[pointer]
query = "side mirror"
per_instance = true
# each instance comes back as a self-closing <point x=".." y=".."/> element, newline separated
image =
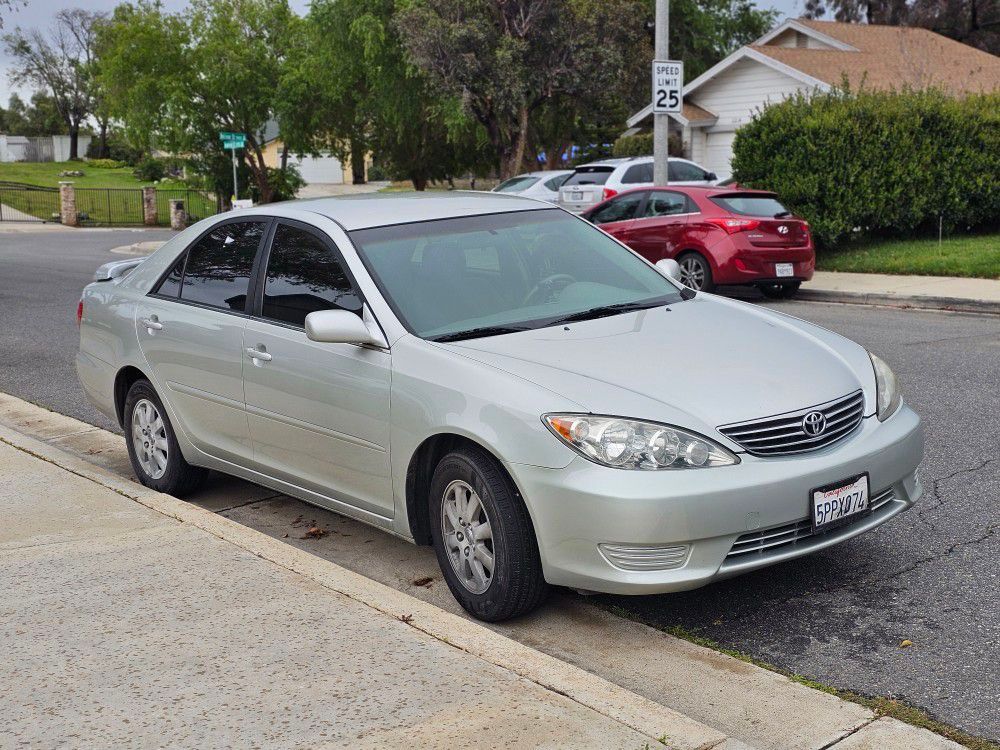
<point x="668" y="267"/>
<point x="711" y="176"/>
<point x="338" y="327"/>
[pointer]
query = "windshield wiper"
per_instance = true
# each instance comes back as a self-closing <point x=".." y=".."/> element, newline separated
<point x="782" y="214"/>
<point x="605" y="310"/>
<point x="475" y="333"/>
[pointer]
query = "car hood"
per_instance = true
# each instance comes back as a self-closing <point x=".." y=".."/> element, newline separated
<point x="701" y="363"/>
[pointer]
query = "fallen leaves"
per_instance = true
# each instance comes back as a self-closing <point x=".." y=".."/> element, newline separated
<point x="314" y="532"/>
<point x="425" y="582"/>
<point x="406" y="618"/>
<point x="905" y="643"/>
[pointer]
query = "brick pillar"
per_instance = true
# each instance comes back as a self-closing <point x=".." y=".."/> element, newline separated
<point x="178" y="217"/>
<point x="149" y="206"/>
<point x="67" y="204"/>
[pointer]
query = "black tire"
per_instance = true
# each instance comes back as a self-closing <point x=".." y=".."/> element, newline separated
<point x="179" y="478"/>
<point x="696" y="272"/>
<point x="780" y="290"/>
<point x="516" y="584"/>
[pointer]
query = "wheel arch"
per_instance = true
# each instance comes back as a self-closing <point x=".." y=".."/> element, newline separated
<point x="124" y="379"/>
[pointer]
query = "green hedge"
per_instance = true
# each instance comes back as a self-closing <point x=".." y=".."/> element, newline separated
<point x="642" y="145"/>
<point x="877" y="163"/>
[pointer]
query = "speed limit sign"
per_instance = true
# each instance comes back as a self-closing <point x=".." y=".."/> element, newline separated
<point x="668" y="86"/>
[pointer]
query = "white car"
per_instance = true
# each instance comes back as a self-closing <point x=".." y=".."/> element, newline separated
<point x="541" y="185"/>
<point x="599" y="180"/>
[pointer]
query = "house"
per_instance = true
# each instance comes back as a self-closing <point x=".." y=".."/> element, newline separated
<point x="314" y="169"/>
<point x="802" y="55"/>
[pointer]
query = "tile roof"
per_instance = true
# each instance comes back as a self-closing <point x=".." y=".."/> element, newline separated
<point x="892" y="57"/>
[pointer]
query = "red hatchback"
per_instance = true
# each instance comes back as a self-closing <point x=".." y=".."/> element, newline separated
<point x="718" y="235"/>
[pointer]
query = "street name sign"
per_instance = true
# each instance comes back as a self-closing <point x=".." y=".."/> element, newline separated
<point x="668" y="86"/>
<point x="233" y="140"/>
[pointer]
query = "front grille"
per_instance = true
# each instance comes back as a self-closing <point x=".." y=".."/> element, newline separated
<point x="780" y="537"/>
<point x="784" y="434"/>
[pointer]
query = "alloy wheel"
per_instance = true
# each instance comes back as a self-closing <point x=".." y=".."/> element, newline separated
<point x="149" y="439"/>
<point x="467" y="536"/>
<point x="692" y="273"/>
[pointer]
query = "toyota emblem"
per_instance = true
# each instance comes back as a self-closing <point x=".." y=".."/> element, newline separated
<point x="814" y="423"/>
<point x="782" y="229"/>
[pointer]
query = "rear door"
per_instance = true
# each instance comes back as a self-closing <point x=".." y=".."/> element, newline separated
<point x="617" y="215"/>
<point x="190" y="329"/>
<point x="318" y="413"/>
<point x="658" y="232"/>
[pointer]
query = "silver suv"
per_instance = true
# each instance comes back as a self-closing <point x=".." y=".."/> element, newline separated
<point x="599" y="180"/>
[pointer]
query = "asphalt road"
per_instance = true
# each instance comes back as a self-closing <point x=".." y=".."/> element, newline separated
<point x="929" y="576"/>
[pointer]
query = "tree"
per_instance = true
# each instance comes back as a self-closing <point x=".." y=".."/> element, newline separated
<point x="177" y="80"/>
<point x="9" y="5"/>
<point x="39" y="117"/>
<point x="505" y="59"/>
<point x="60" y="63"/>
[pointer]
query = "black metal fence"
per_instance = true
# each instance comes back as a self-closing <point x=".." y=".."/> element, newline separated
<point x="20" y="202"/>
<point x="98" y="206"/>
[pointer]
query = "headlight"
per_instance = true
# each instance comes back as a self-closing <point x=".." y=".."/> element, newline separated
<point x="630" y="444"/>
<point x="887" y="395"/>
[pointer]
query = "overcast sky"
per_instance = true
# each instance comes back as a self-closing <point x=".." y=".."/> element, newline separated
<point x="38" y="14"/>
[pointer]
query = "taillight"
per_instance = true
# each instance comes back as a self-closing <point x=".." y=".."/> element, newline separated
<point x="79" y="311"/>
<point x="609" y="193"/>
<point x="732" y="226"/>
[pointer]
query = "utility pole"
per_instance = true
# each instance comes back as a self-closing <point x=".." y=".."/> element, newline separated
<point x="661" y="122"/>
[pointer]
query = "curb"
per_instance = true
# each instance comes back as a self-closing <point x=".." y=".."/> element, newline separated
<point x="916" y="302"/>
<point x="659" y="723"/>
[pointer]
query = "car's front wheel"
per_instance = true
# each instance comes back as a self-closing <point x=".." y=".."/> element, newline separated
<point x="152" y="446"/>
<point x="785" y="290"/>
<point x="483" y="537"/>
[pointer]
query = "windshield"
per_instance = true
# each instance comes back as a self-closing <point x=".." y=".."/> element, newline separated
<point x="483" y="275"/>
<point x="515" y="184"/>
<point x="589" y="176"/>
<point x="751" y="204"/>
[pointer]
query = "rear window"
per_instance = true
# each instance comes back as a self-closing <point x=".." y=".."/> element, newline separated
<point x="589" y="176"/>
<point x="751" y="204"/>
<point x="516" y="184"/>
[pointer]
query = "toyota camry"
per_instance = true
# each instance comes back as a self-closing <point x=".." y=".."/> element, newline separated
<point x="495" y="377"/>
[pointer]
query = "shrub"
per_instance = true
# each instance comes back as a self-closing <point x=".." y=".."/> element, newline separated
<point x="149" y="170"/>
<point x="877" y="163"/>
<point x="642" y="145"/>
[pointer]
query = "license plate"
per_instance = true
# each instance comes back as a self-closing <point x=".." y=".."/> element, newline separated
<point x="576" y="196"/>
<point x="784" y="269"/>
<point x="836" y="503"/>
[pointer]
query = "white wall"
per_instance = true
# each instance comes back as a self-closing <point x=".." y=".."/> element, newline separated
<point x="60" y="146"/>
<point x="795" y="38"/>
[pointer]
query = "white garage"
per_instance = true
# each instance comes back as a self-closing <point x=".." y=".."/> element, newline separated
<point x="719" y="152"/>
<point x="321" y="169"/>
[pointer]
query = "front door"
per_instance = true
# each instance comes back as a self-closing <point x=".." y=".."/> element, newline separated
<point x="318" y="413"/>
<point x="659" y="231"/>
<point x="190" y="330"/>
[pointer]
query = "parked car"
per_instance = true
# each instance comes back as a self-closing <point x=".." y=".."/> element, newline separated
<point x="595" y="182"/>
<point x="541" y="185"/>
<point x="718" y="236"/>
<point x="500" y="379"/>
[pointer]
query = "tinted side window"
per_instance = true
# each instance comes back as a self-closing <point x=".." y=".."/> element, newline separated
<point x="303" y="276"/>
<point x="662" y="203"/>
<point x="556" y="182"/>
<point x="680" y="171"/>
<point x="171" y="285"/>
<point x="637" y="174"/>
<point x="618" y="209"/>
<point x="219" y="265"/>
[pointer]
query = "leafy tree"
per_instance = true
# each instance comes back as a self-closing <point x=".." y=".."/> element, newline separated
<point x="60" y="63"/>
<point x="506" y="60"/>
<point x="39" y="117"/>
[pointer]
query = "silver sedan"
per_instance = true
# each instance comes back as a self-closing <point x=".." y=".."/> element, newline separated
<point x="498" y="378"/>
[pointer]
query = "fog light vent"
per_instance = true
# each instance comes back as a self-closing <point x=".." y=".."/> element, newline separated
<point x="630" y="557"/>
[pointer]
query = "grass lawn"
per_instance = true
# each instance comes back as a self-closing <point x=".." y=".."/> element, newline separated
<point x="976" y="255"/>
<point x="101" y="207"/>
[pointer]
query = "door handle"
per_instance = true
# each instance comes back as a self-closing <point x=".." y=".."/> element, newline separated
<point x="257" y="354"/>
<point x="152" y="324"/>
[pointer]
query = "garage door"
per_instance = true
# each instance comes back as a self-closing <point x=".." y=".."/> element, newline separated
<point x="719" y="153"/>
<point x="320" y="169"/>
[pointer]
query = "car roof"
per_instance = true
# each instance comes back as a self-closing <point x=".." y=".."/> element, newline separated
<point x="369" y="210"/>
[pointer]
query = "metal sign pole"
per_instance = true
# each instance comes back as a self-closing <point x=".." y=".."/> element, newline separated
<point x="661" y="122"/>
<point x="236" y="189"/>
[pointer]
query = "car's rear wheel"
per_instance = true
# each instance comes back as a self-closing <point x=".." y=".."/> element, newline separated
<point x="785" y="290"/>
<point x="696" y="273"/>
<point x="152" y="446"/>
<point x="483" y="537"/>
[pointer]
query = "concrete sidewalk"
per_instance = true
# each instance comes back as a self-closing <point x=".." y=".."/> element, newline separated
<point x="125" y="626"/>
<point x="925" y="292"/>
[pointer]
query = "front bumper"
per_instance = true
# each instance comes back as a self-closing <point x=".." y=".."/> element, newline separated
<point x="706" y="511"/>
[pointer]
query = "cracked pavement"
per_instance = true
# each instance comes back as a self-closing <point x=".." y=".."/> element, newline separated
<point x="838" y="616"/>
